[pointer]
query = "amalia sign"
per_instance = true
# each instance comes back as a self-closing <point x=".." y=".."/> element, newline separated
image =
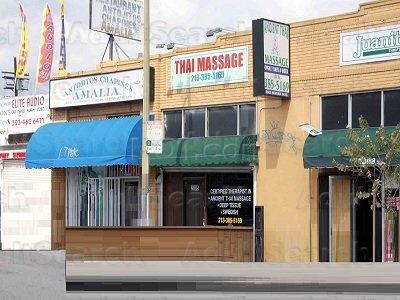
<point x="97" y="89"/>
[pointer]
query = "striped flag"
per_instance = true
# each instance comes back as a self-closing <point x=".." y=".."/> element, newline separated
<point x="63" y="52"/>
<point x="23" y="46"/>
<point x="46" y="47"/>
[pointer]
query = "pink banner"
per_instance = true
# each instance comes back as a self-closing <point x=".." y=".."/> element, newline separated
<point x="46" y="47"/>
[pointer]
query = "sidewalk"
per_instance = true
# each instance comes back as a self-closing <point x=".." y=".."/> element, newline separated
<point x="232" y="277"/>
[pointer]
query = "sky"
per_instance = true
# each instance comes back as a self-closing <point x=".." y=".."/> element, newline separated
<point x="179" y="21"/>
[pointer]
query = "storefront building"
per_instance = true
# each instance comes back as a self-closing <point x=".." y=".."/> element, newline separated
<point x="202" y="186"/>
<point x="348" y="71"/>
<point x="226" y="152"/>
<point x="25" y="194"/>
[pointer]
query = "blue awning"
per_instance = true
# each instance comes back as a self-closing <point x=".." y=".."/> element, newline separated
<point x="86" y="143"/>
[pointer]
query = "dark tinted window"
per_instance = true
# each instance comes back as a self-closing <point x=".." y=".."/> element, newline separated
<point x="222" y="121"/>
<point x="173" y="124"/>
<point x="247" y="119"/>
<point x="334" y="112"/>
<point x="195" y="122"/>
<point x="392" y="108"/>
<point x="367" y="105"/>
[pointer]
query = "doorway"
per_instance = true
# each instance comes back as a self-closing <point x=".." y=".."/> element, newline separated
<point x="130" y="202"/>
<point x="346" y="222"/>
<point x="194" y="201"/>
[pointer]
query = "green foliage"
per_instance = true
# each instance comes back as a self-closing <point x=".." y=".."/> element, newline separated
<point x="372" y="154"/>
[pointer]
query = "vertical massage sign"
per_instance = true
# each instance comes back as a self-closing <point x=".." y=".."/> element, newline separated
<point x="271" y="58"/>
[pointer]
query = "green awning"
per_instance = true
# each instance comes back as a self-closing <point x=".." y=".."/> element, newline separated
<point x="207" y="151"/>
<point x="321" y="151"/>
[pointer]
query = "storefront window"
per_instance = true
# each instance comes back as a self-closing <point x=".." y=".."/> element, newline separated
<point x="216" y="121"/>
<point x="367" y="105"/>
<point x="194" y="122"/>
<point x="334" y="112"/>
<point x="392" y="107"/>
<point x="200" y="199"/>
<point x="173" y="124"/>
<point x="222" y="121"/>
<point x="102" y="196"/>
<point x="247" y="119"/>
<point x="336" y="109"/>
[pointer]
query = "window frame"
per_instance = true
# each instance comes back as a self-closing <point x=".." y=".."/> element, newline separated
<point x="350" y="103"/>
<point x="206" y="117"/>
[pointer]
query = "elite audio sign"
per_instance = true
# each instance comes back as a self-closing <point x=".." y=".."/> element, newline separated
<point x="97" y="89"/>
<point x="122" y="18"/>
<point x="207" y="68"/>
<point x="271" y="58"/>
<point x="370" y="45"/>
<point x="22" y="115"/>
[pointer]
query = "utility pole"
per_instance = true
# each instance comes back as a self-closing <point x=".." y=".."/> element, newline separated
<point x="13" y="83"/>
<point x="111" y="44"/>
<point x="15" y="77"/>
<point x="146" y="104"/>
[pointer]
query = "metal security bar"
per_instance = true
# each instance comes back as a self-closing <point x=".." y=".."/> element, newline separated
<point x="94" y="195"/>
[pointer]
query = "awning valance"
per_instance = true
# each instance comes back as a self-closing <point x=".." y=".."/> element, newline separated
<point x="108" y="142"/>
<point x="321" y="151"/>
<point x="207" y="151"/>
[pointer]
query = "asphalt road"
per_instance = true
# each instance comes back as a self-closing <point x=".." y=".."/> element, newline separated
<point x="225" y="296"/>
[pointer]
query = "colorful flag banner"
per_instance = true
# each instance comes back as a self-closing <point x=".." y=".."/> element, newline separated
<point x="23" y="46"/>
<point x="46" y="47"/>
<point x="63" y="51"/>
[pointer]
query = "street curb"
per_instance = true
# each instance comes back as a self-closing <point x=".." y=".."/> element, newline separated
<point x="234" y="286"/>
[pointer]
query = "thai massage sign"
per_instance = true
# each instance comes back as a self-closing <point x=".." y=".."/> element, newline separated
<point x="122" y="18"/>
<point x="23" y="115"/>
<point x="97" y="89"/>
<point x="371" y="45"/>
<point x="222" y="66"/>
<point x="271" y="58"/>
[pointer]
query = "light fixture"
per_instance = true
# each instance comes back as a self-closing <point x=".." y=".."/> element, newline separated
<point x="169" y="46"/>
<point x="216" y="30"/>
<point x="310" y="130"/>
<point x="160" y="46"/>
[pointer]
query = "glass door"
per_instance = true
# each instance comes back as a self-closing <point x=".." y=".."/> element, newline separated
<point x="194" y="201"/>
<point x="130" y="202"/>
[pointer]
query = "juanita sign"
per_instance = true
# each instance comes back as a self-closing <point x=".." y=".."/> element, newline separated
<point x="376" y="44"/>
<point x="97" y="89"/>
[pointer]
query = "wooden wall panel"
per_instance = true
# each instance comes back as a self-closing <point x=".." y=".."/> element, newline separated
<point x="160" y="243"/>
<point x="341" y="238"/>
<point x="58" y="178"/>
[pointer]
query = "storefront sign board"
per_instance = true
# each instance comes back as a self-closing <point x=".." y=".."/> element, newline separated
<point x="230" y="206"/>
<point x="370" y="45"/>
<point x="119" y="18"/>
<point x="22" y="115"/>
<point x="271" y="58"/>
<point x="97" y="89"/>
<point x="154" y="137"/>
<point x="222" y="66"/>
<point x="12" y="154"/>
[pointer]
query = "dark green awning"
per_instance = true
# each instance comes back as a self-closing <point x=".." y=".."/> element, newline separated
<point x="206" y="151"/>
<point x="321" y="151"/>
